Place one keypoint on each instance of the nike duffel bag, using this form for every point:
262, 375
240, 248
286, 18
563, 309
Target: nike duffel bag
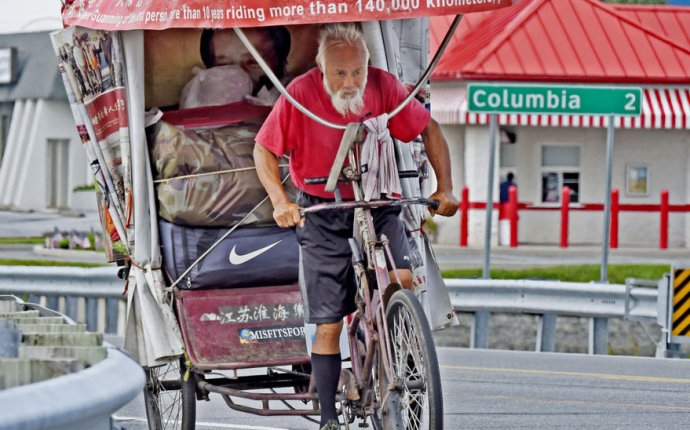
248, 257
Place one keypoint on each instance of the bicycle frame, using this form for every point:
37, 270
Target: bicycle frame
371, 306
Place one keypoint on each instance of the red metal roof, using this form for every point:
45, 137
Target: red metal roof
672, 22
564, 41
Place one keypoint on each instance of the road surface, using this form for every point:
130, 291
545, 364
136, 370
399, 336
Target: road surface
491, 389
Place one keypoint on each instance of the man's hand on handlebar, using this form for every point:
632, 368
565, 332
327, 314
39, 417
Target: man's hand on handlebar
287, 214
448, 204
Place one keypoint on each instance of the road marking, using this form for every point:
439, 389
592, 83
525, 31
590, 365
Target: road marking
609, 376
574, 401
203, 424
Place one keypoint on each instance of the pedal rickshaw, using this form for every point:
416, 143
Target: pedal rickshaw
194, 323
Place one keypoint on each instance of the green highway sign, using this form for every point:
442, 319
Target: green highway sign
556, 99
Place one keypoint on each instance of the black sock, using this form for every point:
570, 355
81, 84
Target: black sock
326, 371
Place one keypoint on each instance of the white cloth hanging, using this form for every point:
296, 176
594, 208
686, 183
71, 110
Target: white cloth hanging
378, 155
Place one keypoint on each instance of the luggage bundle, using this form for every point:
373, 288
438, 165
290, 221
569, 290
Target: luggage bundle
206, 183
207, 178
248, 257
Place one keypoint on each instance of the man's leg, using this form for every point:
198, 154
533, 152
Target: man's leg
405, 276
329, 294
388, 222
326, 366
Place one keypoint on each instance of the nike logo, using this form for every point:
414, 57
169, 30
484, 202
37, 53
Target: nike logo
237, 259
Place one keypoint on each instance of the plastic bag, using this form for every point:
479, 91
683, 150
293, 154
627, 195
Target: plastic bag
216, 86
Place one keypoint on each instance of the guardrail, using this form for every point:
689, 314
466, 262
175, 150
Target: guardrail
100, 291
84, 400
550, 299
93, 295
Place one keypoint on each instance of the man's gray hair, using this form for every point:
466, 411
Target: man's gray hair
339, 33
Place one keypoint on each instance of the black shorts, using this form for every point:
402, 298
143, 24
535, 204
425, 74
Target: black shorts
326, 259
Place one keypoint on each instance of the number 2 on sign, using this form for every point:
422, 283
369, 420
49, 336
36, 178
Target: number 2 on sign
371, 5
630, 105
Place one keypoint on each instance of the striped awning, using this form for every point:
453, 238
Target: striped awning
662, 108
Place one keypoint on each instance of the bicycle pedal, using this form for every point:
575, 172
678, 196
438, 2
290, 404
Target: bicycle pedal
349, 384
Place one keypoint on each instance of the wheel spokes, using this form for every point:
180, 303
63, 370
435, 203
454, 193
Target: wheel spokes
409, 369
168, 402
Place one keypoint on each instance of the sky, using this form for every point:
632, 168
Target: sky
30, 15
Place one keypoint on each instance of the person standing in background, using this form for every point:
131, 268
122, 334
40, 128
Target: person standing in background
505, 187
503, 210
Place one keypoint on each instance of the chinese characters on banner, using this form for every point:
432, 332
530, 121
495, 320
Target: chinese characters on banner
280, 312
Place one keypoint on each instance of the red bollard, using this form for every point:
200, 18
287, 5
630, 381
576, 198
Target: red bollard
615, 210
513, 215
663, 228
464, 216
565, 209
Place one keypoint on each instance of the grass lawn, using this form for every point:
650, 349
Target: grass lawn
22, 240
580, 273
12, 262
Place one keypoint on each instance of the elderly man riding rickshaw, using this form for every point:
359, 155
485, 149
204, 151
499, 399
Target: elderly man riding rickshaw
263, 177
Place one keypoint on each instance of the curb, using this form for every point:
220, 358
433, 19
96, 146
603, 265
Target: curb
86, 256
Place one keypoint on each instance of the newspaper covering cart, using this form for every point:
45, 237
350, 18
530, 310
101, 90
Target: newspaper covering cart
176, 187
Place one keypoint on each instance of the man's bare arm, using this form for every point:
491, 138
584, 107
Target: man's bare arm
439, 157
285, 212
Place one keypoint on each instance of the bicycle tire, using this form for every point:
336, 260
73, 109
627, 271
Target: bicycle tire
169, 399
414, 360
380, 383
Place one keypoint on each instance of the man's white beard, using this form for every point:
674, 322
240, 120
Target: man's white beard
345, 106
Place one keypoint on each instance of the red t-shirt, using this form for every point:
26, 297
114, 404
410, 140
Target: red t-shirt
312, 147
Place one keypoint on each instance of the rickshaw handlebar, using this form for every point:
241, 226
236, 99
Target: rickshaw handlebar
372, 204
403, 174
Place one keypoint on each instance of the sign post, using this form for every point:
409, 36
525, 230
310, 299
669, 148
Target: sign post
604, 273
562, 100
493, 127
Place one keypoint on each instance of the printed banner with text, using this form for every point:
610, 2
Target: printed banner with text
158, 15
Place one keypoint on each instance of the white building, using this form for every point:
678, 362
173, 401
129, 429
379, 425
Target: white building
582, 42
41, 158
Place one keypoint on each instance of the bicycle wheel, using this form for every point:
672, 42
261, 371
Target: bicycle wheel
170, 400
415, 365
380, 384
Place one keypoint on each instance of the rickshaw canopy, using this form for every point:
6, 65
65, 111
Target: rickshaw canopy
124, 170
159, 15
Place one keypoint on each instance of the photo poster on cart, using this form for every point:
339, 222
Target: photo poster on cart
90, 62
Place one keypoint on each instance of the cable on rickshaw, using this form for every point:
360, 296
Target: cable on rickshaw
283, 91
276, 82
